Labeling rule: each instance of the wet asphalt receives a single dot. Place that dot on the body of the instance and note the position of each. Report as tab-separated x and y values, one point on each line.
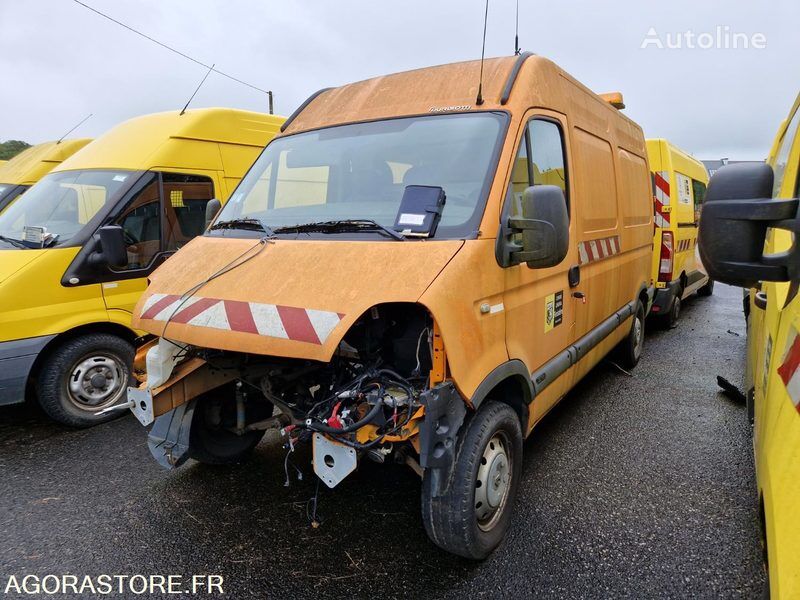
639	487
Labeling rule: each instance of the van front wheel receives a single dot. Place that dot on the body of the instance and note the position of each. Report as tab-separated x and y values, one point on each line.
83	376
473	514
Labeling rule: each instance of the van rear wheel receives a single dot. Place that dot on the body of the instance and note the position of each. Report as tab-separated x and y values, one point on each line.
630	349
473	515
83	376
707	289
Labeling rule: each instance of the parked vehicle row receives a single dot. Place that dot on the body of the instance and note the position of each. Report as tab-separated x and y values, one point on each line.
416	268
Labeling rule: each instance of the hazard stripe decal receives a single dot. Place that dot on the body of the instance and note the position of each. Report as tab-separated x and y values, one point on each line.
661	198
600	249
270	320
789	371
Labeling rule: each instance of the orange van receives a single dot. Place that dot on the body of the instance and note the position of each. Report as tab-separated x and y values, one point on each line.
417	269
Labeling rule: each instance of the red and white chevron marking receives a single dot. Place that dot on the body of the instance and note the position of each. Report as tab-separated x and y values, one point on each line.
271	320
789	371
684	245
595	250
661	198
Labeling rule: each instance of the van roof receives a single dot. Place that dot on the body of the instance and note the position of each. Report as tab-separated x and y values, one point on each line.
454	87
33	163
682	161
169	139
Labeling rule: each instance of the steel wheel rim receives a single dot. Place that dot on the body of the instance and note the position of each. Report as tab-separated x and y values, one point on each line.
96	382
493	481
638	336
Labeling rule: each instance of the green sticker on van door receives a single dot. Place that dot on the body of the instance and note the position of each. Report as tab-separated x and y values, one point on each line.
553	310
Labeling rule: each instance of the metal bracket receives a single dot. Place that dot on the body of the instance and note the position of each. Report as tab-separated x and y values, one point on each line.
141	404
333	461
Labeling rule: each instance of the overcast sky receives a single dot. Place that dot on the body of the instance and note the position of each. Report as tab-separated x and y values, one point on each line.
60	62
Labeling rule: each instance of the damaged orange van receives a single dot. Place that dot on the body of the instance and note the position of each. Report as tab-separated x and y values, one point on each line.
418	269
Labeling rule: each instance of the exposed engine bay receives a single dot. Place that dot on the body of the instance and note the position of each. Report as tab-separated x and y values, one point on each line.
366	402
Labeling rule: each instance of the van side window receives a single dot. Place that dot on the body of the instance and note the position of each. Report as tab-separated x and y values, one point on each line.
185	199
164	215
142	226
699	192
547	154
543	142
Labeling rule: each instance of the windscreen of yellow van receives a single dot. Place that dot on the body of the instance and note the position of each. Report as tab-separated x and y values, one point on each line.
64	203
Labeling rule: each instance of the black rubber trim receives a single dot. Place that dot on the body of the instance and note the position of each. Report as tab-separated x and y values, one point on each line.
507	370
302	107
556	366
512	77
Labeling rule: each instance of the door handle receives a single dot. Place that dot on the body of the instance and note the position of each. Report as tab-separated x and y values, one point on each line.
574	276
760	300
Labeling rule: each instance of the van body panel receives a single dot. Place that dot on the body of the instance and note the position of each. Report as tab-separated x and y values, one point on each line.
33	306
773	341
340	280
174	141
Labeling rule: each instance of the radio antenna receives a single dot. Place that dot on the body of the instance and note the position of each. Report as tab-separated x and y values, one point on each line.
479	99
86	118
516	32
211	68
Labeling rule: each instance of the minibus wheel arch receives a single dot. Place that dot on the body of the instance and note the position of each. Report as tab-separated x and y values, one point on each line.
509	383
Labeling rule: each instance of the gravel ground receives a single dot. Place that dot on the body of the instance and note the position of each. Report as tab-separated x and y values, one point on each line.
635	487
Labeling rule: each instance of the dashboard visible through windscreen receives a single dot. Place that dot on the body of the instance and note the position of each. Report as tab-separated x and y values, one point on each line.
360	171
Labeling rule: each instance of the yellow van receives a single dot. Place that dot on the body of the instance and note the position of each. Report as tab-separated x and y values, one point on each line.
30	165
748	237
66	295
679	186
418	270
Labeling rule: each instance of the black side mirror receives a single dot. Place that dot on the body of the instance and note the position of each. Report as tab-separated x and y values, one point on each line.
111	249
212	208
544	226
737	212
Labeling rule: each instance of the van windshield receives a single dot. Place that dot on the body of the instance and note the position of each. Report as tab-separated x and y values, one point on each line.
63	203
360	171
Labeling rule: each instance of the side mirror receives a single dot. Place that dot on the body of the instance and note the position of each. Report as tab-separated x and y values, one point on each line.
737	212
112	250
212	208
544	226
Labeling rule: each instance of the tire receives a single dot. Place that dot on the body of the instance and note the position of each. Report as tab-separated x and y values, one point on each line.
630	350
707	290
463	520
670	319
210	441
83	376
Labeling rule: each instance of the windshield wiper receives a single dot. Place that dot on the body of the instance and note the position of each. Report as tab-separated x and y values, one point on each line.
251	224
342	226
13	242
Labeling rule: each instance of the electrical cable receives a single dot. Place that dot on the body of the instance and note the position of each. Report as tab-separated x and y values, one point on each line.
171	49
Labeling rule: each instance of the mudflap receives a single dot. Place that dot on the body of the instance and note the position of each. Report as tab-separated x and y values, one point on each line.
445	411
168	440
